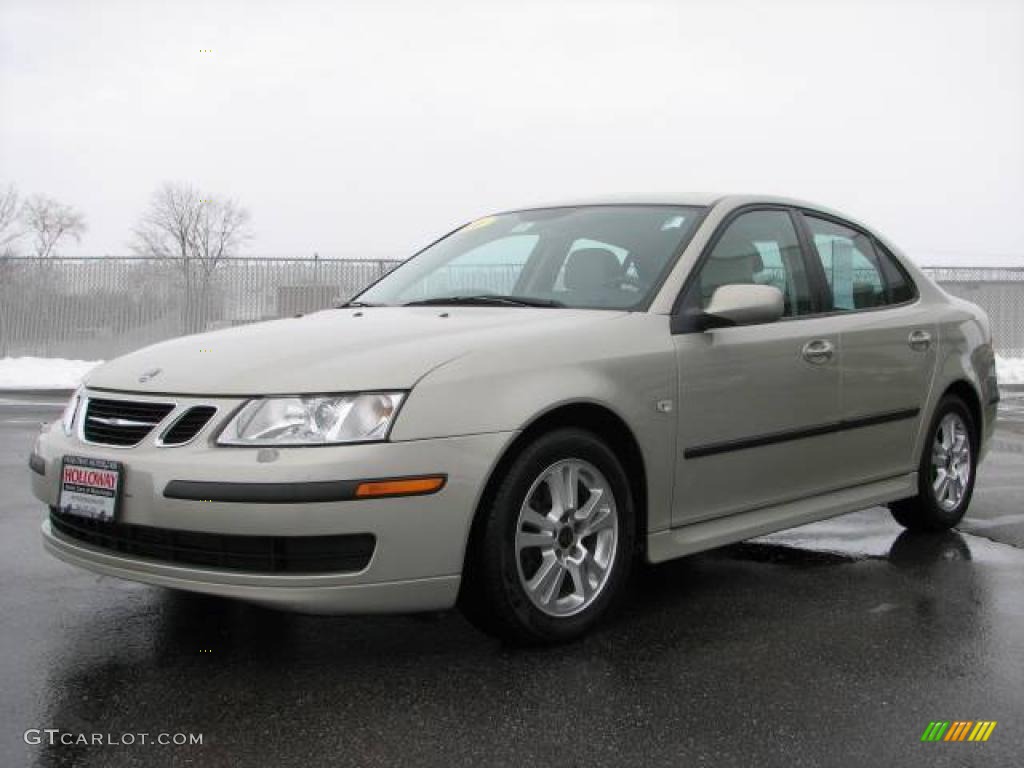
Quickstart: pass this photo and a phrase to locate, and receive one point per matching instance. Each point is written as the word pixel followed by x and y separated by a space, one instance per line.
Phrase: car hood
pixel 340 350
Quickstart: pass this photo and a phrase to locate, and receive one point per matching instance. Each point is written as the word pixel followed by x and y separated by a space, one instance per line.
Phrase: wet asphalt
pixel 832 644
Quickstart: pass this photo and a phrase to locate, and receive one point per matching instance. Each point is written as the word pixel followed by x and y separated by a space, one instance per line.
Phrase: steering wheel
pixel 623 282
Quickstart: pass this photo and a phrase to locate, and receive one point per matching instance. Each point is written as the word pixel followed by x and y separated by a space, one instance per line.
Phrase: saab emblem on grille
pixel 150 374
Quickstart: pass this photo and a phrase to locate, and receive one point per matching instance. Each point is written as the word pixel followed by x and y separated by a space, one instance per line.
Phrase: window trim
pixel 891 258
pixel 682 322
pixel 825 299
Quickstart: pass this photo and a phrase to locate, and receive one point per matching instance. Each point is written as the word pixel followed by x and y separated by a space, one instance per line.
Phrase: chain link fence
pixel 997 290
pixel 96 309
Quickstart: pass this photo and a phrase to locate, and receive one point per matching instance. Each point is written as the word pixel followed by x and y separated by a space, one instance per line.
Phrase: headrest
pixel 590 268
pixel 736 244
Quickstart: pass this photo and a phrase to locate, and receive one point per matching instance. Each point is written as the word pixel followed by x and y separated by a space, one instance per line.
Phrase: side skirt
pixel 708 534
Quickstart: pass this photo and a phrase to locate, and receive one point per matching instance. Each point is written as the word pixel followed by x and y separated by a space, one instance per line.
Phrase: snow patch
pixel 1010 370
pixel 43 372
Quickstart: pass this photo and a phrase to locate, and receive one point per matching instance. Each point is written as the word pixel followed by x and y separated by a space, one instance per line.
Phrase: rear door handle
pixel 919 340
pixel 818 351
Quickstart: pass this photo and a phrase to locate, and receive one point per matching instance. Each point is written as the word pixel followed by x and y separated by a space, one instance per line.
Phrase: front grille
pixel 188 425
pixel 122 422
pixel 254 554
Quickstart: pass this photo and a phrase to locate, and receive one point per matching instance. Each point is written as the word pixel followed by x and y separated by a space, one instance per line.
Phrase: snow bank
pixel 1010 370
pixel 43 372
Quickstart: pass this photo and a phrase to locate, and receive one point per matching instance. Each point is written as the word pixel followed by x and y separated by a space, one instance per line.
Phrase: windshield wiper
pixel 355 303
pixel 486 299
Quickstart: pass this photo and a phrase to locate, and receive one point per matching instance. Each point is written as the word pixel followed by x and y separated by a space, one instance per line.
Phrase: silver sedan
pixel 512 417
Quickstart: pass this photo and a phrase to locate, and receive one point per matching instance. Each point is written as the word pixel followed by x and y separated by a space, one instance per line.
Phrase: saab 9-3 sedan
pixel 511 418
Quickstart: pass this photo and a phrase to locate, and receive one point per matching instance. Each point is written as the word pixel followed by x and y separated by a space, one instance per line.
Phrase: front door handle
pixel 919 340
pixel 818 351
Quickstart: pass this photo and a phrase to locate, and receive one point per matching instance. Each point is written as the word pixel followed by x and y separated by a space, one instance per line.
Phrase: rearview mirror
pixel 743 305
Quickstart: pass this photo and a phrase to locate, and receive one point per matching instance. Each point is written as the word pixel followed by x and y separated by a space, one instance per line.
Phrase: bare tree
pixel 165 229
pixel 50 221
pixel 10 223
pixel 221 228
pixel 9 232
pixel 196 231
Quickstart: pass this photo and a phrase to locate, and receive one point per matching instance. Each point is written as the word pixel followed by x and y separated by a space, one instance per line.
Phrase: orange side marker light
pixel 406 486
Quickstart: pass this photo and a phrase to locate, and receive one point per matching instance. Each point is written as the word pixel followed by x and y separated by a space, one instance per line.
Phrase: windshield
pixel 601 257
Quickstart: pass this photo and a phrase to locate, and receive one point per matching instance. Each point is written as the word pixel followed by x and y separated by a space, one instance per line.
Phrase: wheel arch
pixel 923 511
pixel 964 390
pixel 593 417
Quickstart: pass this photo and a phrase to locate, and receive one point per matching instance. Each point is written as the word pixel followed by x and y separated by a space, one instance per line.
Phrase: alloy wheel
pixel 566 537
pixel 951 462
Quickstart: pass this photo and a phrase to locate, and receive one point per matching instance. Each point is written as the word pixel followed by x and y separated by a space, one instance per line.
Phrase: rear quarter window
pixel 860 274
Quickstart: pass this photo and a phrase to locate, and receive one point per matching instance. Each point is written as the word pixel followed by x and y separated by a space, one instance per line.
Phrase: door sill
pixel 719 531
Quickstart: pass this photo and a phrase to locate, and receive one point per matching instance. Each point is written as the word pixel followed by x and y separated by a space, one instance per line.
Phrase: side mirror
pixel 743 305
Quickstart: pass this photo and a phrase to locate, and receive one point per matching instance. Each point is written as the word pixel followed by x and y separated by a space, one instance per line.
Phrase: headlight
pixel 313 420
pixel 70 410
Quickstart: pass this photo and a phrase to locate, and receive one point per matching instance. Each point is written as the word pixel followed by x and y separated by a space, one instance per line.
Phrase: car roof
pixel 701 199
pixel 661 198
pixel 723 202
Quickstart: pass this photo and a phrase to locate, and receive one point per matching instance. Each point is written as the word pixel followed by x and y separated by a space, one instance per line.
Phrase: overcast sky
pixel 369 128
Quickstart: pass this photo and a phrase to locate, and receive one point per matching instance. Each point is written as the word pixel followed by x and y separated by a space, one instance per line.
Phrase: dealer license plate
pixel 90 487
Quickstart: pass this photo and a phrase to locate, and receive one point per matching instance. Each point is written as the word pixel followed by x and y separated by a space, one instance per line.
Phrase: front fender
pixel 626 365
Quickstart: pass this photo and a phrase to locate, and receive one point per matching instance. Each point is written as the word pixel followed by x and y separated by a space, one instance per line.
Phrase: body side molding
pixel 711 449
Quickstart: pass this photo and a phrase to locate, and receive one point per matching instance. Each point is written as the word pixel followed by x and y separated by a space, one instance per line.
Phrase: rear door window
pixel 851 265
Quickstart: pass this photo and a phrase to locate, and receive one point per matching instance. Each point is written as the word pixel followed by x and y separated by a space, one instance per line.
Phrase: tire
pixel 530 580
pixel 939 506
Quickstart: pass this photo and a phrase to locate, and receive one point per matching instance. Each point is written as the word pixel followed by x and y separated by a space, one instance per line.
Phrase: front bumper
pixel 420 540
pixel 308 594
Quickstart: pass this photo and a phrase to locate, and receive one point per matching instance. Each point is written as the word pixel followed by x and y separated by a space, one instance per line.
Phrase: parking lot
pixel 832 644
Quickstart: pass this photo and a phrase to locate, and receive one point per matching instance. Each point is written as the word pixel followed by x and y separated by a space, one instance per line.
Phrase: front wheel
pixel 553 548
pixel 946 473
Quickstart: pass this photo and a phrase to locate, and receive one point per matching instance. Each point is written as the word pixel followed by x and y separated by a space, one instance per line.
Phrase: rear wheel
pixel 553 548
pixel 946 472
